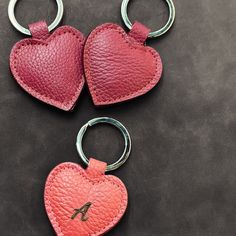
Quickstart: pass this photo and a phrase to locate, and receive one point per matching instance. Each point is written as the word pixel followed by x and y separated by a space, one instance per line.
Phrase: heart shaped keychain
pixel 49 66
pixel 118 66
pixel 87 202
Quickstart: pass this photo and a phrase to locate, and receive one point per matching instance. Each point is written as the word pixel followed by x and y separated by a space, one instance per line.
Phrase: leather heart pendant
pixel 84 202
pixel 49 67
pixel 118 66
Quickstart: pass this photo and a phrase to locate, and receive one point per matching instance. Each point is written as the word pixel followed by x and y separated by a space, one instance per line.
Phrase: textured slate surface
pixel 182 173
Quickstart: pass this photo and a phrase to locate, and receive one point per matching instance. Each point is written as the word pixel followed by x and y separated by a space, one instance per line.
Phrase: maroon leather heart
pixel 49 67
pixel 118 66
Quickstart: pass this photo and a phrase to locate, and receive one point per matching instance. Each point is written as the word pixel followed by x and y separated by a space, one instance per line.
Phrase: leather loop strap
pixel 139 32
pixel 96 168
pixel 39 30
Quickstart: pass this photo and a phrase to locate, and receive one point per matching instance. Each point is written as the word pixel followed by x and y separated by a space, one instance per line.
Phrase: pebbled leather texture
pixel 70 187
pixel 49 66
pixel 118 66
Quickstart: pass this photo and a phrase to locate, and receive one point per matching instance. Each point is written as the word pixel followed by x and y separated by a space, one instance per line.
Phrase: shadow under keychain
pixel 87 202
pixel 49 66
pixel 118 66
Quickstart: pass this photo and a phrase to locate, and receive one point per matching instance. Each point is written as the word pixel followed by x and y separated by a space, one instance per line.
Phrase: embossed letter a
pixel 83 211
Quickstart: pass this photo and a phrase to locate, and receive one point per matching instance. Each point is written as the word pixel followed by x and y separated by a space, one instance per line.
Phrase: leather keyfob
pixel 49 66
pixel 84 202
pixel 118 66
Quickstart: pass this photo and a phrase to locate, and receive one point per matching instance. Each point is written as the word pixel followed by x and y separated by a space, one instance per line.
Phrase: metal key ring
pixel 115 123
pixel 163 30
pixel 11 14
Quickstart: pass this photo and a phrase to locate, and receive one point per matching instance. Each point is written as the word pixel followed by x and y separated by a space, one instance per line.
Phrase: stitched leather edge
pixel 31 41
pixel 69 165
pixel 126 37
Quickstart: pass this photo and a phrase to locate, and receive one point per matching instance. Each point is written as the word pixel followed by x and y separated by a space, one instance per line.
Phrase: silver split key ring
pixel 163 30
pixel 114 123
pixel 55 23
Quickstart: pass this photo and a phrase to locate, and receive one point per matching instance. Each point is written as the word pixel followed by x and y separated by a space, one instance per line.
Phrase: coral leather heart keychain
pixel 49 66
pixel 118 66
pixel 87 202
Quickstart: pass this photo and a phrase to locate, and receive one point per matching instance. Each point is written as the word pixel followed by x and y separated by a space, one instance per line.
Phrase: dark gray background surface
pixel 181 176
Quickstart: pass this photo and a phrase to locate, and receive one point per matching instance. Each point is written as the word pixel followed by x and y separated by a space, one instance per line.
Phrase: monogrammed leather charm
pixel 118 66
pixel 84 202
pixel 49 66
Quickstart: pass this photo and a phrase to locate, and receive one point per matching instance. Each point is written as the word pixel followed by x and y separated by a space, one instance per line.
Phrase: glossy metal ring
pixel 112 122
pixel 163 30
pixel 11 14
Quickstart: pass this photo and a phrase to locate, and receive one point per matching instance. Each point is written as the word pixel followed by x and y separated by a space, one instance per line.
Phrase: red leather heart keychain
pixel 49 66
pixel 118 66
pixel 87 202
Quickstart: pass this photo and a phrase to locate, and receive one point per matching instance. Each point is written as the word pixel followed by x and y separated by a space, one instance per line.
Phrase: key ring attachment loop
pixel 154 34
pixel 112 122
pixel 55 23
